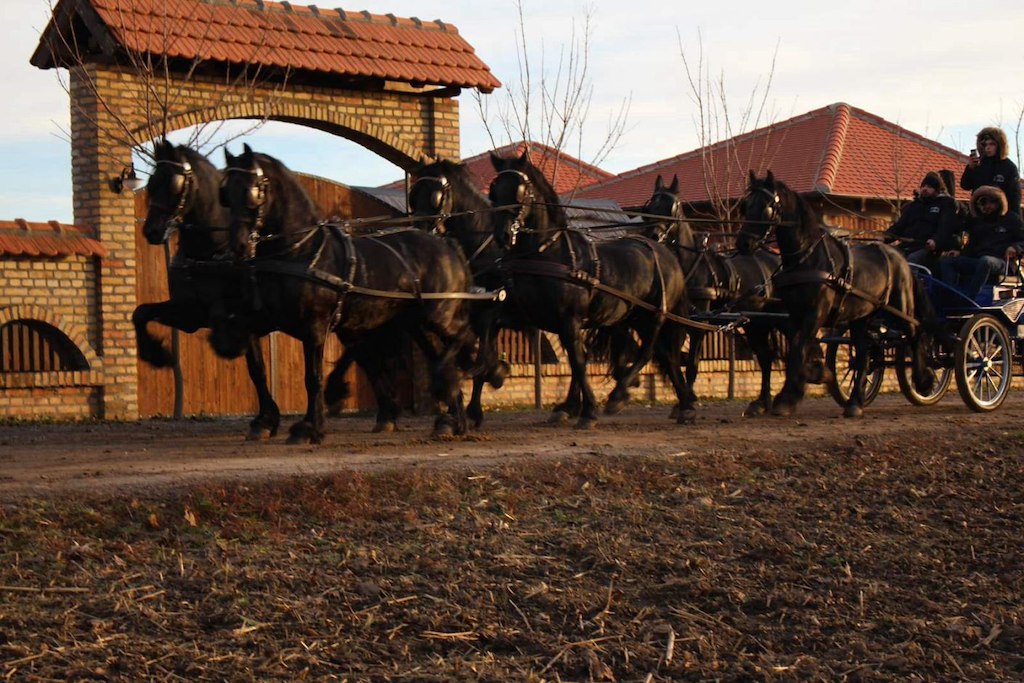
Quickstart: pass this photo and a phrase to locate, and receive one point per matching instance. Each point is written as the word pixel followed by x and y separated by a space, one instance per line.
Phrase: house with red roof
pixel 856 168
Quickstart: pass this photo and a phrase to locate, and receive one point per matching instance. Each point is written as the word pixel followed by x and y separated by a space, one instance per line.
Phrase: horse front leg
pixel 759 339
pixel 795 386
pixel 630 376
pixel 170 313
pixel 268 419
pixel 668 357
pixel 859 348
pixel 311 428
pixel 572 341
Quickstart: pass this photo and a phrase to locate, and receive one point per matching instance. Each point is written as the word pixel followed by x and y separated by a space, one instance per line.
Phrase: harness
pixel 840 278
pixel 573 274
pixel 346 284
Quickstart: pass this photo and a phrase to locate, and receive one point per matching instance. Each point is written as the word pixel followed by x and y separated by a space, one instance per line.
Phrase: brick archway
pixel 384 82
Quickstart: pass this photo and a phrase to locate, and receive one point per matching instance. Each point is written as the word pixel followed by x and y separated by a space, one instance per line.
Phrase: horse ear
pixel 753 177
pixel 674 187
pixel 246 149
pixel 658 184
pixel 497 162
pixel 770 179
pixel 228 158
pixel 524 158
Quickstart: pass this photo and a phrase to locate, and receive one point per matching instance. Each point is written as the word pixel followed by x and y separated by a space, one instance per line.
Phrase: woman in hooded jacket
pixel 991 166
pixel 994 237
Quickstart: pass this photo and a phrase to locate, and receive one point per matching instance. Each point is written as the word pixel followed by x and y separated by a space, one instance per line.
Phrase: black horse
pixel 312 278
pixel 561 281
pixel 737 283
pixel 446 202
pixel 183 197
pixel 825 282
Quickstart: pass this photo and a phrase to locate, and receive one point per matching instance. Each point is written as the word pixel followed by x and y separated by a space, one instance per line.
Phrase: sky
pixel 938 69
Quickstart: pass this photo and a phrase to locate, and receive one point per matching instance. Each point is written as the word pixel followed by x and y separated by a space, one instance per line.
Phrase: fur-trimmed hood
pixel 999 136
pixel 993 193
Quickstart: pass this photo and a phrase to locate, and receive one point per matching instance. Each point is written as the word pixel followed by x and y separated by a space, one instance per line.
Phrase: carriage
pixel 983 350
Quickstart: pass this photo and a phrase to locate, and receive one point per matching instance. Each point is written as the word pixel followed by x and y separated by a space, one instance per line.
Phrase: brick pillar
pixel 95 159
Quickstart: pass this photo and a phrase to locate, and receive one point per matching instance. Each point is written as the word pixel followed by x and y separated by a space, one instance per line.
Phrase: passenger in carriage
pixel 932 213
pixel 989 164
pixel 995 236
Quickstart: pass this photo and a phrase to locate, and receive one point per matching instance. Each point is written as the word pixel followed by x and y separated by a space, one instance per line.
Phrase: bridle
pixel 525 196
pixel 181 185
pixel 440 201
pixel 673 215
pixel 771 214
pixel 256 200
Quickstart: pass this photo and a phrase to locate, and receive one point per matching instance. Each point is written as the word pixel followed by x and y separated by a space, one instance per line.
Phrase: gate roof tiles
pixel 280 34
pixel 22 238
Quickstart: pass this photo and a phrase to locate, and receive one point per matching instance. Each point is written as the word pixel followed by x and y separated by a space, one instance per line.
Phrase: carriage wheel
pixel 943 378
pixel 984 363
pixel 841 386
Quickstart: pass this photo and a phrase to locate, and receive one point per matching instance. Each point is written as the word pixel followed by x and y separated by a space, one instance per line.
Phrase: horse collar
pixel 177 218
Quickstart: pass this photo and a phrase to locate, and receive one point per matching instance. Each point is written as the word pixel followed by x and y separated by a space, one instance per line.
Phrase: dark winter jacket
pixel 925 219
pixel 991 235
pixel 998 171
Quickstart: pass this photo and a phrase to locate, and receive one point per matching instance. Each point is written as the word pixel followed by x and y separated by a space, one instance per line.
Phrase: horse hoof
pixel 559 417
pixel 497 378
pixel 334 409
pixel 687 416
pixel 613 407
pixel 853 411
pixel 302 433
pixel 755 409
pixel 783 409
pixel 385 427
pixel 444 431
pixel 258 434
pixel 586 423
pixel 674 413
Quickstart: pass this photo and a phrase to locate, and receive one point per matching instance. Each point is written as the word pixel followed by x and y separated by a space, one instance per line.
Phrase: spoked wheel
pixel 983 363
pixel 841 386
pixel 943 377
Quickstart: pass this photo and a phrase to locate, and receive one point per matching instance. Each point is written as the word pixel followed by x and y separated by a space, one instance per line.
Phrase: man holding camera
pixel 989 165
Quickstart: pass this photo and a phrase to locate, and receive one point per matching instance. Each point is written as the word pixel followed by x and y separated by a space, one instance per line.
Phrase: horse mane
pixel 809 218
pixel 463 186
pixel 548 196
pixel 203 170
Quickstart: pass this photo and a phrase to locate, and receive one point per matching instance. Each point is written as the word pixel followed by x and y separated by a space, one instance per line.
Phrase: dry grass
pixel 887 561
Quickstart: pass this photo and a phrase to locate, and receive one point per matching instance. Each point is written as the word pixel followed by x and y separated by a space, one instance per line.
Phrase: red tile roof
pixel 277 34
pixel 569 173
pixel 52 239
pixel 837 150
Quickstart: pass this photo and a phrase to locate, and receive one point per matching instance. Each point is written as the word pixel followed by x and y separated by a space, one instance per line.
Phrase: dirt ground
pixel 804 548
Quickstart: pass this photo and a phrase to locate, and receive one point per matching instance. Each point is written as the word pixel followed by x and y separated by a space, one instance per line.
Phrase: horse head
pixel 182 193
pixel 430 197
pixel 264 199
pixel 665 202
pixel 762 211
pixel 524 200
